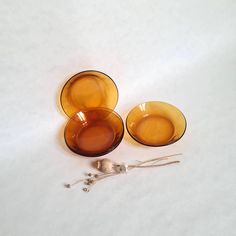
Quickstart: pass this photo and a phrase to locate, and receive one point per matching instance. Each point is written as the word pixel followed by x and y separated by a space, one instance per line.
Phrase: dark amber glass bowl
pixel 94 132
pixel 156 123
pixel 88 89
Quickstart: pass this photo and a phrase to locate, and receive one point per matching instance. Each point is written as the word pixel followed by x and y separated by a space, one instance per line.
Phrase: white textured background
pixel 182 52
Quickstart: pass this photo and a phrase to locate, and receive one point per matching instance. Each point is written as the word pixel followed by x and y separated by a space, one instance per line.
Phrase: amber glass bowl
pixel 94 132
pixel 156 123
pixel 88 89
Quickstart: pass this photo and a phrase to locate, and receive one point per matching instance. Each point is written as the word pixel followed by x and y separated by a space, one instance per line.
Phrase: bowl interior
pixel 94 132
pixel 88 89
pixel 156 123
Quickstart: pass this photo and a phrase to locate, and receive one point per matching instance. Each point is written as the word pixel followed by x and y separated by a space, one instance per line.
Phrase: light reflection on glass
pixel 82 118
pixel 142 107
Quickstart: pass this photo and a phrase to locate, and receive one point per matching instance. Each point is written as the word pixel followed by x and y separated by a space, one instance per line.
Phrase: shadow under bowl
pixel 156 123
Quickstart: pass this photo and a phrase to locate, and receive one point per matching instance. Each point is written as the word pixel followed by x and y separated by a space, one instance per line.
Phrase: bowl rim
pixel 87 71
pixel 152 145
pixel 106 151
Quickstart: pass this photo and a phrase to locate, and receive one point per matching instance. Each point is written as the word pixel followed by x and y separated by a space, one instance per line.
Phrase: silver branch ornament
pixel 108 168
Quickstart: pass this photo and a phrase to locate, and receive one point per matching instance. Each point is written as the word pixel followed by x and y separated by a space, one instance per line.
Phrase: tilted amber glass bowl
pixel 156 123
pixel 94 132
pixel 88 89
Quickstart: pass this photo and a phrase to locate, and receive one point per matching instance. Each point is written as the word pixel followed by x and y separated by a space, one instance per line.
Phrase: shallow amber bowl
pixel 88 89
pixel 156 123
pixel 94 132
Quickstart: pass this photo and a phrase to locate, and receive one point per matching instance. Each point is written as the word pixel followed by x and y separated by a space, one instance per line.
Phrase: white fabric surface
pixel 182 52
